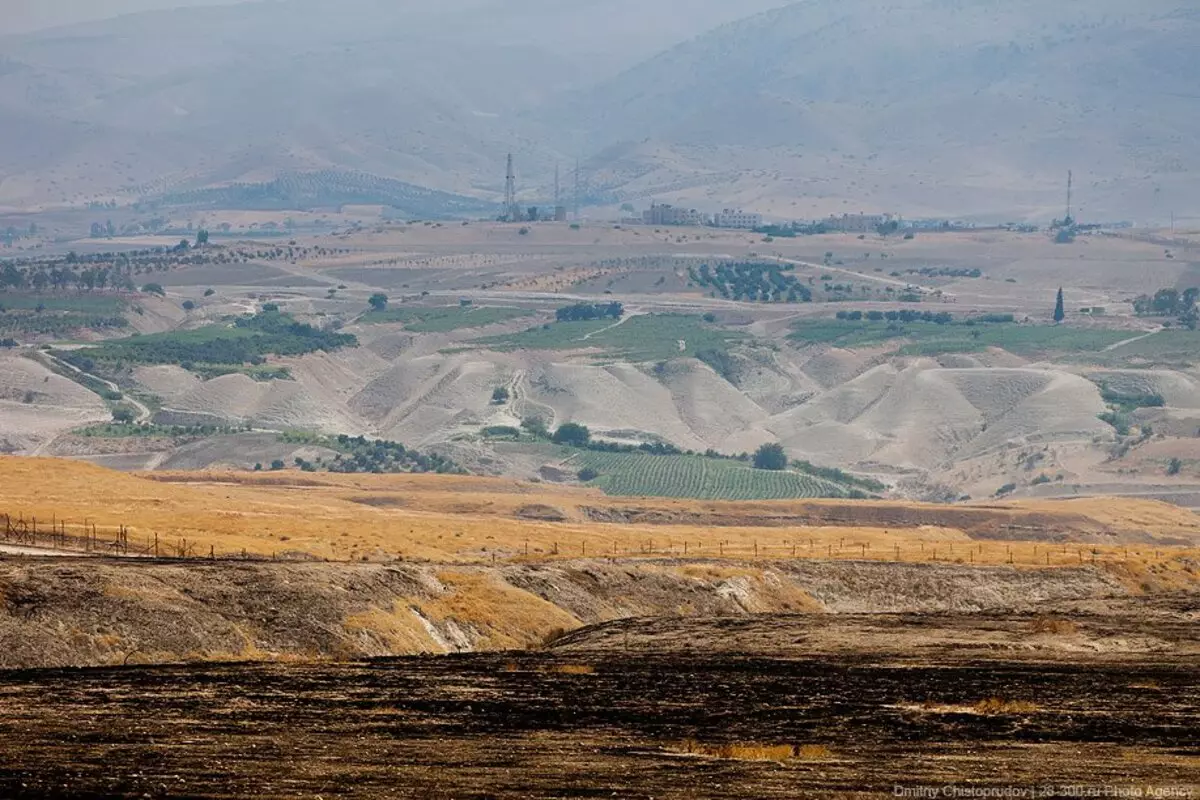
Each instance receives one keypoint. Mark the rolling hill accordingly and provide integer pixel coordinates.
(917, 105)
(430, 94)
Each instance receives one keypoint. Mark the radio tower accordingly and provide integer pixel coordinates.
(560, 211)
(1070, 186)
(577, 190)
(512, 211)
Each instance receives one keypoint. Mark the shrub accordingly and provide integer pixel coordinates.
(536, 427)
(154, 288)
(188, 305)
(123, 415)
(572, 434)
(770, 457)
(1174, 466)
(501, 431)
(500, 395)
(720, 361)
(582, 312)
(587, 475)
(209, 292)
(277, 465)
(1007, 488)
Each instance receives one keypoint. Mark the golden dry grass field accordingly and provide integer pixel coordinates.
(483, 520)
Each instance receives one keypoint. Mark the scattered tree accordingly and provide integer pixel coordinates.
(572, 434)
(587, 475)
(536, 426)
(1174, 467)
(154, 288)
(378, 301)
(188, 305)
(582, 312)
(500, 395)
(770, 457)
(201, 237)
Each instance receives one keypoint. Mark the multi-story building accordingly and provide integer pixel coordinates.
(670, 215)
(736, 218)
(858, 223)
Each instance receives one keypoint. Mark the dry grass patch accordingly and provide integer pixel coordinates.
(504, 616)
(996, 706)
(572, 669)
(1052, 626)
(755, 751)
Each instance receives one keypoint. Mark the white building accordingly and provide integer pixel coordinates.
(736, 218)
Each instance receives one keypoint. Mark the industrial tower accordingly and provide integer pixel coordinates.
(512, 211)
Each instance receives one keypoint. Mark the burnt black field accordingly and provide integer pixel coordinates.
(596, 725)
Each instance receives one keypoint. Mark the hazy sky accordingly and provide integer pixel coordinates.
(26, 15)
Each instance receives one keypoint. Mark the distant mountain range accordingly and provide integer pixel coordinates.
(950, 107)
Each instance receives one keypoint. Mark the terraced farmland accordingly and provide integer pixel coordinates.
(645, 475)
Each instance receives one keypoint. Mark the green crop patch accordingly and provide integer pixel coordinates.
(248, 340)
(697, 477)
(99, 304)
(643, 338)
(59, 315)
(1169, 348)
(922, 338)
(444, 319)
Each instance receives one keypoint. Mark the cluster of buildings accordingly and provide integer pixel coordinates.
(736, 219)
(662, 214)
(858, 223)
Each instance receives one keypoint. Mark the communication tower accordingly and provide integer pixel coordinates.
(512, 211)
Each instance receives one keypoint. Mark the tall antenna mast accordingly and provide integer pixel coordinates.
(577, 190)
(1070, 187)
(512, 212)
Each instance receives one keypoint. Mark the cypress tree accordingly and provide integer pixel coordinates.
(1060, 311)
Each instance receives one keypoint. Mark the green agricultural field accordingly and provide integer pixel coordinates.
(248, 340)
(444, 319)
(80, 303)
(1174, 348)
(117, 430)
(697, 477)
(56, 324)
(59, 315)
(929, 339)
(648, 337)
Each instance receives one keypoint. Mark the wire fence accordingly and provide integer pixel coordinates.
(87, 537)
(59, 536)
